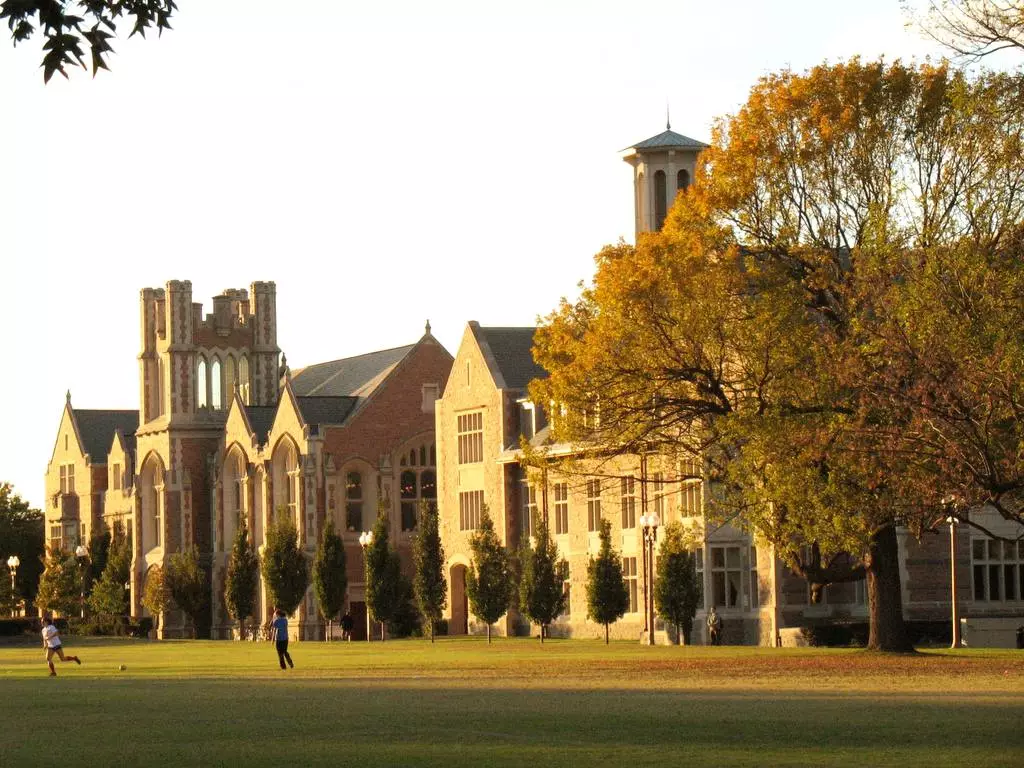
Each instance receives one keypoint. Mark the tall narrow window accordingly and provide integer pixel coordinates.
(593, 505)
(660, 199)
(471, 437)
(115, 477)
(471, 504)
(659, 494)
(428, 488)
(998, 569)
(529, 515)
(158, 527)
(755, 591)
(243, 378)
(67, 478)
(354, 501)
(698, 559)
(230, 377)
(629, 574)
(408, 492)
(216, 399)
(561, 508)
(628, 488)
(201, 400)
(682, 181)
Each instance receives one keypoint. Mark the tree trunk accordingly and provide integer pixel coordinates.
(887, 630)
(330, 626)
(382, 631)
(606, 633)
(488, 634)
(431, 630)
(679, 634)
(241, 630)
(542, 633)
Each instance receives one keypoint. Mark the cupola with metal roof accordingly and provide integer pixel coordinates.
(663, 166)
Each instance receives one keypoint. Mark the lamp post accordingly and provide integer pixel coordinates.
(649, 524)
(83, 556)
(12, 564)
(950, 503)
(365, 540)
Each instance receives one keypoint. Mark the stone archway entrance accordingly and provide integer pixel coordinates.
(459, 624)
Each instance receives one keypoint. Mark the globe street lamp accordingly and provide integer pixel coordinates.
(12, 564)
(649, 524)
(365, 540)
(83, 556)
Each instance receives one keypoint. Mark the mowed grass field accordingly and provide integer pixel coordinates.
(513, 703)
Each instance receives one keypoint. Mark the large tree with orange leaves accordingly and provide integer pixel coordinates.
(772, 327)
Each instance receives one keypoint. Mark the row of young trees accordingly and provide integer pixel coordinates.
(391, 598)
(533, 580)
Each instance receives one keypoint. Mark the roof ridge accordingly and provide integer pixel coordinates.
(353, 357)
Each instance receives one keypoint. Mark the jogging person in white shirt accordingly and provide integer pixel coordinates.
(52, 644)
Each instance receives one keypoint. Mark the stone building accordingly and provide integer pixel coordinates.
(224, 430)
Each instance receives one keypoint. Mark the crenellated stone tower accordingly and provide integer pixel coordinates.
(189, 368)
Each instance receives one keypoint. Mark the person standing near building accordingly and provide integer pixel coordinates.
(279, 628)
(53, 645)
(714, 627)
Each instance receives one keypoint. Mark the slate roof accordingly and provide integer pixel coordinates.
(512, 349)
(351, 376)
(669, 139)
(261, 419)
(97, 427)
(326, 410)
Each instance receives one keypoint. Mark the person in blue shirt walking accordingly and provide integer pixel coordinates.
(279, 626)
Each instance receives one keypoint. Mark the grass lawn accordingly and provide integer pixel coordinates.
(515, 703)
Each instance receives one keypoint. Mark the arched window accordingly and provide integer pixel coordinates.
(353, 501)
(408, 488)
(682, 181)
(229, 378)
(201, 400)
(216, 400)
(428, 487)
(243, 378)
(660, 199)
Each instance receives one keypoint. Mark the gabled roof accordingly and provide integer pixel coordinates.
(261, 419)
(669, 139)
(512, 350)
(349, 377)
(325, 410)
(96, 429)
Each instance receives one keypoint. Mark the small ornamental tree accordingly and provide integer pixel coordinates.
(489, 583)
(385, 590)
(108, 600)
(284, 565)
(541, 590)
(676, 589)
(156, 597)
(330, 579)
(188, 584)
(241, 579)
(60, 586)
(99, 548)
(607, 595)
(430, 583)
(8, 600)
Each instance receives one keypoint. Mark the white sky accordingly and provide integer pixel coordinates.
(383, 162)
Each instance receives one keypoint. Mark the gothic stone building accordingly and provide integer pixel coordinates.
(224, 430)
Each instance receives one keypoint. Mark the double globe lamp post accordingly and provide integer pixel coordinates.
(12, 564)
(649, 525)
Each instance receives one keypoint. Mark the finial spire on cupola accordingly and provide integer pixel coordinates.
(426, 330)
(668, 120)
(67, 397)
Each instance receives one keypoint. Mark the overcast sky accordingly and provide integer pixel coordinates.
(384, 163)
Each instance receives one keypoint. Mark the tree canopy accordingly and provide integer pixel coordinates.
(677, 590)
(242, 579)
(386, 588)
(489, 583)
(330, 579)
(21, 534)
(188, 585)
(69, 27)
(972, 29)
(429, 583)
(284, 565)
(607, 596)
(783, 325)
(542, 595)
